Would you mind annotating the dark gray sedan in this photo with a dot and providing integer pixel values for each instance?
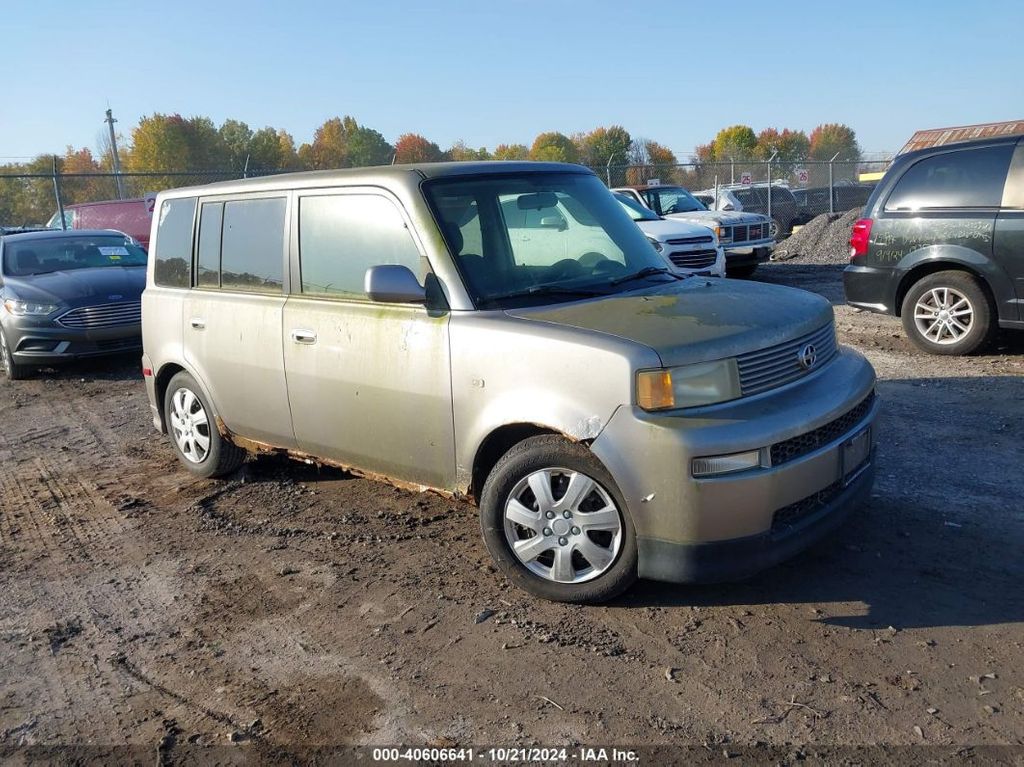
(68, 295)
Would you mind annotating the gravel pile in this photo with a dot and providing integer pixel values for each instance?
(825, 239)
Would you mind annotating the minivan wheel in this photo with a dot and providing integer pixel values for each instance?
(948, 313)
(12, 370)
(555, 524)
(191, 427)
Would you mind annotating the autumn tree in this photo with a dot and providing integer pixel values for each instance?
(831, 138)
(736, 142)
(649, 159)
(511, 152)
(460, 152)
(167, 143)
(341, 142)
(412, 147)
(76, 187)
(554, 147)
(602, 145)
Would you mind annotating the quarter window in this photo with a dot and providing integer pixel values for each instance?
(968, 178)
(173, 258)
(252, 245)
(341, 236)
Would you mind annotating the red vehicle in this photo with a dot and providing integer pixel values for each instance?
(133, 217)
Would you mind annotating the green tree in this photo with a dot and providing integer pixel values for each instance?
(414, 148)
(604, 144)
(460, 152)
(511, 152)
(554, 147)
(736, 142)
(237, 139)
(341, 142)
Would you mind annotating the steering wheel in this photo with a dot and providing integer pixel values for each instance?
(566, 268)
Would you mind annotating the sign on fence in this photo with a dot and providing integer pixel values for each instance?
(803, 176)
(654, 182)
(746, 178)
(150, 199)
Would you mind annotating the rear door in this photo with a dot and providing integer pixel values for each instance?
(232, 316)
(369, 383)
(1008, 244)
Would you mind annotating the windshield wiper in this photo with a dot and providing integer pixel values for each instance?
(544, 290)
(647, 271)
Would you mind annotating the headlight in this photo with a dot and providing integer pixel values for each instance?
(688, 386)
(30, 308)
(724, 233)
(657, 245)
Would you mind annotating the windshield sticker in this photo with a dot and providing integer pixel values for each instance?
(114, 253)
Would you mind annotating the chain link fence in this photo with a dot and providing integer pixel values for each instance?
(801, 190)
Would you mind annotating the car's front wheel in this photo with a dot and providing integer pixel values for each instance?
(12, 370)
(948, 313)
(554, 522)
(196, 439)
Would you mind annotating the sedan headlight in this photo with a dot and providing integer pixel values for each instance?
(688, 386)
(657, 245)
(29, 308)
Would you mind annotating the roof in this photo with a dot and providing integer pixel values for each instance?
(403, 172)
(942, 136)
(50, 234)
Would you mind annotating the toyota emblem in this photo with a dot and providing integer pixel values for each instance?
(807, 357)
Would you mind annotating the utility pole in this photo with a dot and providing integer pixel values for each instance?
(113, 153)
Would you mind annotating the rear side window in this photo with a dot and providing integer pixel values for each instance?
(211, 219)
(173, 259)
(252, 245)
(341, 236)
(969, 178)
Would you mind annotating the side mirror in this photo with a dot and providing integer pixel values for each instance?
(554, 222)
(393, 284)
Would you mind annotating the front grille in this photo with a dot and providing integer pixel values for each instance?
(779, 365)
(802, 444)
(697, 259)
(691, 240)
(739, 234)
(103, 316)
(789, 517)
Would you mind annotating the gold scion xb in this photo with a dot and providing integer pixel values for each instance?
(503, 331)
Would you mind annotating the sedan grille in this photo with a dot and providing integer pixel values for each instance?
(802, 444)
(696, 259)
(781, 364)
(103, 316)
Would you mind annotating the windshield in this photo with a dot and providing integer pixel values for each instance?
(672, 199)
(541, 238)
(62, 254)
(636, 211)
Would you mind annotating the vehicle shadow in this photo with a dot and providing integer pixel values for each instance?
(939, 542)
(824, 279)
(116, 367)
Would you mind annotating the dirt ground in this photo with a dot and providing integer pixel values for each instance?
(292, 605)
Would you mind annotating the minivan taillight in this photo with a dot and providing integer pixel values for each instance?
(860, 237)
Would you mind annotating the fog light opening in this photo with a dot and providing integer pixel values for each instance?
(714, 465)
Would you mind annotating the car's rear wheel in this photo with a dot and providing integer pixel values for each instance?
(948, 313)
(12, 370)
(196, 439)
(554, 522)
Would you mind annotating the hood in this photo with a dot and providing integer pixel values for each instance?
(670, 229)
(726, 217)
(695, 320)
(81, 287)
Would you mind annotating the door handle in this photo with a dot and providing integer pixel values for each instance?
(198, 323)
(307, 337)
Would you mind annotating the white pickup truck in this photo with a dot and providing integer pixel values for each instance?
(745, 237)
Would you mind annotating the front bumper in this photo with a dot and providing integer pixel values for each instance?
(731, 525)
(871, 288)
(37, 341)
(748, 254)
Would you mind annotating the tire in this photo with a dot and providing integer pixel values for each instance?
(558, 568)
(949, 313)
(12, 370)
(776, 229)
(193, 433)
(740, 272)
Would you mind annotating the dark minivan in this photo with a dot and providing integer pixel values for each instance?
(941, 245)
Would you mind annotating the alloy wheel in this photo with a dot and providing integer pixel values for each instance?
(190, 425)
(943, 315)
(563, 526)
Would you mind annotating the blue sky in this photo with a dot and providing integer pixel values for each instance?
(489, 72)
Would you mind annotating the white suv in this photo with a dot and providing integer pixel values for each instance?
(691, 248)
